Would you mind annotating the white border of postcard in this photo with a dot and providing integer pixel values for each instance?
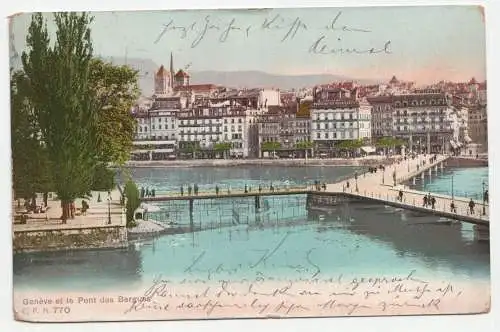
(483, 322)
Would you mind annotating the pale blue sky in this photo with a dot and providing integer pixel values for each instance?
(426, 43)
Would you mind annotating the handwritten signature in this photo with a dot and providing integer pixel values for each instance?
(197, 31)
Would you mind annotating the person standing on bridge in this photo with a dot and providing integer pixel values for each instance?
(246, 189)
(217, 190)
(471, 206)
(485, 196)
(425, 201)
(142, 192)
(400, 195)
(453, 208)
(260, 188)
(182, 190)
(190, 189)
(433, 202)
(153, 192)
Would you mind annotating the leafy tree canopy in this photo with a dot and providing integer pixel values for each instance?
(271, 146)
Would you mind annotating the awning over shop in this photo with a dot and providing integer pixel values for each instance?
(467, 139)
(453, 144)
(368, 149)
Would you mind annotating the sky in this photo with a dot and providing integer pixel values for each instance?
(423, 44)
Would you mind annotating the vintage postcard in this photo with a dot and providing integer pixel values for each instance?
(203, 164)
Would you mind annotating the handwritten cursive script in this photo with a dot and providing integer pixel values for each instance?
(295, 297)
(288, 28)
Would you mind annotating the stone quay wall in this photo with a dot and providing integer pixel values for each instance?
(466, 162)
(113, 236)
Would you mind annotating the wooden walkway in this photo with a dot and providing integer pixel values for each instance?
(232, 194)
(385, 186)
(382, 186)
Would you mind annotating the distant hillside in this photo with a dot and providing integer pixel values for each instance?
(234, 79)
(248, 79)
(146, 68)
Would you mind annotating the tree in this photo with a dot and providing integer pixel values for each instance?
(271, 146)
(116, 90)
(79, 108)
(223, 147)
(131, 193)
(66, 112)
(389, 142)
(351, 144)
(104, 178)
(31, 173)
(193, 148)
(304, 145)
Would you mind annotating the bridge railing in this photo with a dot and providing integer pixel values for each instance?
(420, 170)
(236, 191)
(480, 211)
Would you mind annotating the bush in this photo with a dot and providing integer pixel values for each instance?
(133, 202)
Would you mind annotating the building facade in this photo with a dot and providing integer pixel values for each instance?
(426, 120)
(337, 115)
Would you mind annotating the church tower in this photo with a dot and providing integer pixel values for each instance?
(163, 82)
(172, 68)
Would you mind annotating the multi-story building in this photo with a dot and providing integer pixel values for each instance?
(478, 127)
(337, 114)
(199, 129)
(235, 130)
(156, 130)
(163, 120)
(277, 126)
(381, 117)
(426, 120)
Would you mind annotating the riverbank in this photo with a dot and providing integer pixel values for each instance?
(103, 226)
(364, 161)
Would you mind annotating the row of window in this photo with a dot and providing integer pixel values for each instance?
(405, 113)
(334, 116)
(417, 128)
(337, 135)
(405, 120)
(232, 128)
(420, 103)
(337, 125)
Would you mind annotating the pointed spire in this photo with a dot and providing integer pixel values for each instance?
(171, 64)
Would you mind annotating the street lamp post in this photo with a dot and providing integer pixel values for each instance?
(109, 208)
(484, 202)
(452, 192)
(356, 179)
(383, 175)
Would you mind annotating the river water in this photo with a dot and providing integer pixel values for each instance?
(283, 240)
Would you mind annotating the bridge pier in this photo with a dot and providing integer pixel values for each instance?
(257, 202)
(191, 219)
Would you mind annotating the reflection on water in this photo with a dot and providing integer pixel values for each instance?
(467, 182)
(282, 240)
